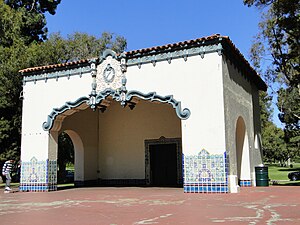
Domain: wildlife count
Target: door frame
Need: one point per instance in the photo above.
(160, 141)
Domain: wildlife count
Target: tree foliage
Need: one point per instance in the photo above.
(33, 27)
(276, 52)
(21, 27)
(273, 144)
(12, 51)
(274, 147)
(78, 46)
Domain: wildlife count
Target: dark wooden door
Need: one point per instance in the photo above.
(163, 164)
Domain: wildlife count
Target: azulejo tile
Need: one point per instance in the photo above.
(38, 175)
(205, 172)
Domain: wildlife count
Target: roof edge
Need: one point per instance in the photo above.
(228, 48)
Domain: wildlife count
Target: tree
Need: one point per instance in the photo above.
(33, 16)
(78, 46)
(276, 52)
(22, 24)
(273, 145)
(12, 49)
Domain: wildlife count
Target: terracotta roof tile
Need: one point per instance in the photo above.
(178, 44)
(39, 68)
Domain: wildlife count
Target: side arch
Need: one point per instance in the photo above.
(242, 153)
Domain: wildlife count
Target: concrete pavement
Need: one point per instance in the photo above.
(136, 205)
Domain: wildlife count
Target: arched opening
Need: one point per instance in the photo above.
(109, 141)
(70, 158)
(110, 145)
(78, 156)
(242, 153)
(65, 159)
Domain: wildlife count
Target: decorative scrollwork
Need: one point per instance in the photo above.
(57, 111)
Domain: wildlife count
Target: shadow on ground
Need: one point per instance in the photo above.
(289, 169)
(292, 183)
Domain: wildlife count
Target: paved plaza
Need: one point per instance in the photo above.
(137, 205)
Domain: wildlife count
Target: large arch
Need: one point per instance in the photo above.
(109, 142)
(242, 153)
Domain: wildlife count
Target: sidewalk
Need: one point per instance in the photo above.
(134, 205)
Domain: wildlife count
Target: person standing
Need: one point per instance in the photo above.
(6, 171)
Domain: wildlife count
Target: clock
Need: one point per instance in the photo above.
(109, 73)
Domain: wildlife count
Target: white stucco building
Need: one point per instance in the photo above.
(179, 114)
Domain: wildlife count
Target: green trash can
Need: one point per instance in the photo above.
(262, 176)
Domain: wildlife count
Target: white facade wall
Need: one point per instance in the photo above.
(40, 98)
(198, 84)
(188, 81)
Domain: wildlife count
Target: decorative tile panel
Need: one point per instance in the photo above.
(205, 173)
(38, 175)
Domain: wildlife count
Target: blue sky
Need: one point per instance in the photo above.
(148, 23)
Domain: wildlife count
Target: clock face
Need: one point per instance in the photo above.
(109, 73)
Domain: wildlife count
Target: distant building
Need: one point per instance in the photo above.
(183, 114)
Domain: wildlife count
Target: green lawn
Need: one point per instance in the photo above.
(13, 185)
(280, 174)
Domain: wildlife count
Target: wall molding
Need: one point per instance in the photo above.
(66, 72)
(171, 54)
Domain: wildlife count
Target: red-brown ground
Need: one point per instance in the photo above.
(133, 205)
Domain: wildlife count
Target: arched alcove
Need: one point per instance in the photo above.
(242, 153)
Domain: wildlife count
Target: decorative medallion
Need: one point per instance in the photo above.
(109, 74)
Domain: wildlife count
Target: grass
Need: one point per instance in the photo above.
(279, 175)
(13, 185)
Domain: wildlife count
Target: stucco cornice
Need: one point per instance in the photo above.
(56, 73)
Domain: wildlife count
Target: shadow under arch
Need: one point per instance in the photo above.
(242, 152)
